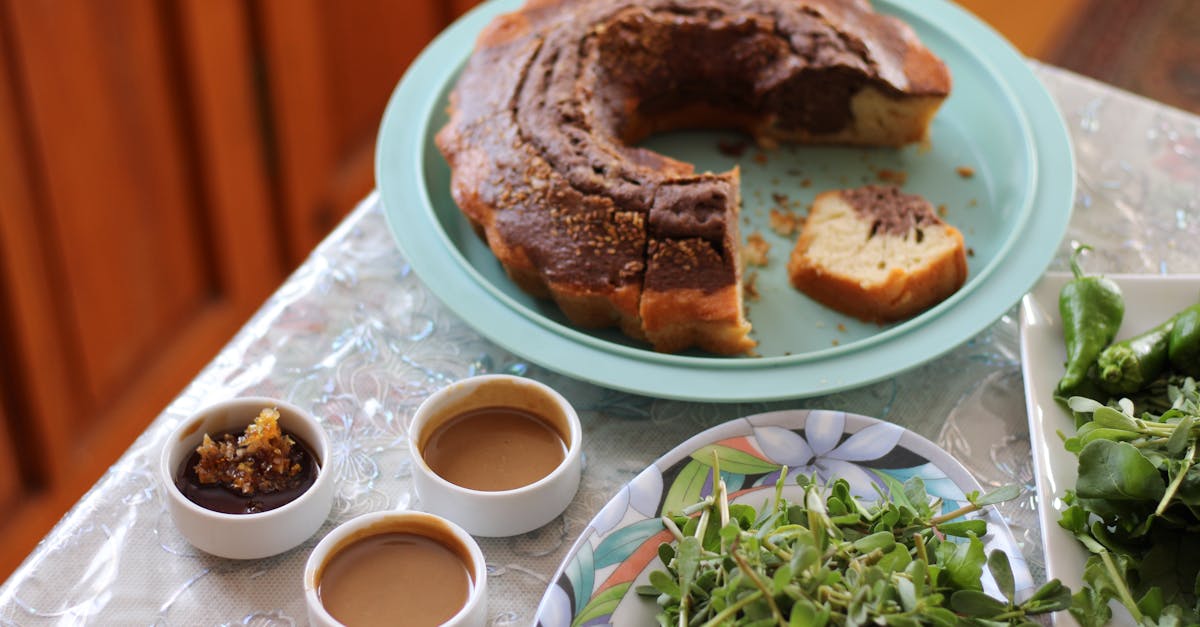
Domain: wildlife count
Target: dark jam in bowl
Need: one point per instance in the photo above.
(219, 498)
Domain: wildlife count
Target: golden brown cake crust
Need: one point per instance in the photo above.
(839, 266)
(545, 115)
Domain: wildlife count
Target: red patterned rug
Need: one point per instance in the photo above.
(1150, 47)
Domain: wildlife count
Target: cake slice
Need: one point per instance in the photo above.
(877, 254)
(692, 294)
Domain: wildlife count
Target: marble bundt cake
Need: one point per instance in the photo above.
(546, 115)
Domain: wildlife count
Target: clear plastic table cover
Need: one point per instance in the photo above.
(354, 336)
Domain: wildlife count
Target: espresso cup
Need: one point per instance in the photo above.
(500, 443)
(378, 566)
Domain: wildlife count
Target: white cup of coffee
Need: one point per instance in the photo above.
(497, 454)
(380, 566)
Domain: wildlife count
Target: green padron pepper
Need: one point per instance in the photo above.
(1091, 308)
(1183, 349)
(1130, 365)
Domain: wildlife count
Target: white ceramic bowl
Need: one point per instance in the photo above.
(247, 536)
(504, 512)
(473, 612)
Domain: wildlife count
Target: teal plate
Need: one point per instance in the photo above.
(999, 122)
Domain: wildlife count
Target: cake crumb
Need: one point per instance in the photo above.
(806, 183)
(941, 209)
(732, 148)
(756, 249)
(784, 223)
(898, 177)
(965, 171)
(836, 342)
(970, 252)
(841, 327)
(973, 203)
(760, 158)
(258, 461)
(750, 286)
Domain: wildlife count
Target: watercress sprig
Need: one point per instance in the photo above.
(830, 559)
(1136, 504)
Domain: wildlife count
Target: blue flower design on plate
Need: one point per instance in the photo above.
(618, 549)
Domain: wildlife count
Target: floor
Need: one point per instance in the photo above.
(1150, 47)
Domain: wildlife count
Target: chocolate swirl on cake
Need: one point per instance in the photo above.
(545, 119)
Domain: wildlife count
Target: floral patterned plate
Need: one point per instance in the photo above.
(619, 548)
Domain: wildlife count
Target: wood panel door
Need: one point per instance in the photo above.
(137, 231)
(330, 68)
(163, 166)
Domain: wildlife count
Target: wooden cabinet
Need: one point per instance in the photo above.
(163, 166)
(330, 68)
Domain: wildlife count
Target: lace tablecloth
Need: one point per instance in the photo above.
(354, 336)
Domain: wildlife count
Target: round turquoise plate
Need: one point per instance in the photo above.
(1013, 209)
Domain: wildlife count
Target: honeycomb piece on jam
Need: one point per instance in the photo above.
(260, 460)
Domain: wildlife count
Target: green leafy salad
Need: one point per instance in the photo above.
(829, 559)
(1136, 503)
